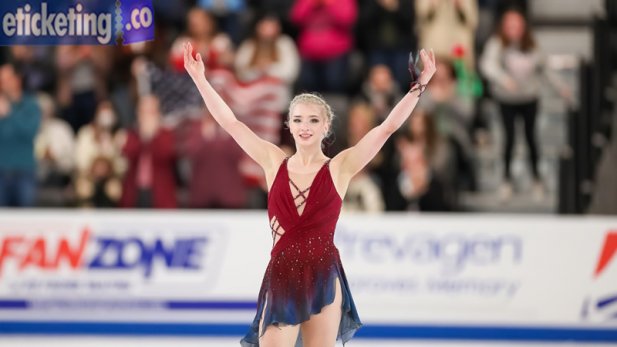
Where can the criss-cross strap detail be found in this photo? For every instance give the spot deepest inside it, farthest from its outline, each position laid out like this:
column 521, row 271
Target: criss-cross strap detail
column 300, row 193
column 274, row 227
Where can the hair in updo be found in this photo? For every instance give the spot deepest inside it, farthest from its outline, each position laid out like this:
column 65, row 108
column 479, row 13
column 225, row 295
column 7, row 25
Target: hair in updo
column 315, row 99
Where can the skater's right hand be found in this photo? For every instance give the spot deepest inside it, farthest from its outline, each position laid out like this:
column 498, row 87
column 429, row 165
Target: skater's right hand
column 194, row 66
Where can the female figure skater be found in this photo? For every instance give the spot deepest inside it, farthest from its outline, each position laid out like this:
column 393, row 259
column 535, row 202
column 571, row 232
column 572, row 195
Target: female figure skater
column 304, row 287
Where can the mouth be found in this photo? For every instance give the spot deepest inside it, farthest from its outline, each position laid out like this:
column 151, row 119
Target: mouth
column 304, row 136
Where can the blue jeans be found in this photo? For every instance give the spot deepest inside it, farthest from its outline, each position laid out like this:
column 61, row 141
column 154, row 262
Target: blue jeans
column 17, row 188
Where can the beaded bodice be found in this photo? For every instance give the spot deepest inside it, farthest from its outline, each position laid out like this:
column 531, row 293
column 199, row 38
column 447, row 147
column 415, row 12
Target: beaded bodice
column 293, row 211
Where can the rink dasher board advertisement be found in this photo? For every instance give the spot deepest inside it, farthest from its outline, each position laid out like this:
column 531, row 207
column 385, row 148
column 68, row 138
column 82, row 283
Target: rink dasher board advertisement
column 198, row 273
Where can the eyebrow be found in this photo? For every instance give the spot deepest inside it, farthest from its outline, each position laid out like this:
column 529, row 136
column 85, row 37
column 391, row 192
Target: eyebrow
column 311, row 115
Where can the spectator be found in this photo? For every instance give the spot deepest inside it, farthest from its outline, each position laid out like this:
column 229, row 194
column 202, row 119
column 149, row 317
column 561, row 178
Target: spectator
column 280, row 8
column 228, row 14
column 82, row 71
column 268, row 53
column 20, row 117
column 216, row 180
column 171, row 15
column 446, row 24
column 380, row 91
column 170, row 84
column 428, row 168
column 97, row 140
column 515, row 67
column 150, row 150
column 54, row 146
column 214, row 46
column 453, row 114
column 100, row 186
column 386, row 34
column 37, row 68
column 173, row 87
column 325, row 41
column 363, row 193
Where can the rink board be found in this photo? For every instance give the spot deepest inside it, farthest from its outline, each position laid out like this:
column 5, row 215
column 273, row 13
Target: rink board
column 436, row 277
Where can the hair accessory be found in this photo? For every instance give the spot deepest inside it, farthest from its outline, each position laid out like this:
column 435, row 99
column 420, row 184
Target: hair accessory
column 414, row 71
column 412, row 66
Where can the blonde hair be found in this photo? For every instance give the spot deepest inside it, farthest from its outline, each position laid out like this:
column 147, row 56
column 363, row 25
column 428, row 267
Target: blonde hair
column 315, row 99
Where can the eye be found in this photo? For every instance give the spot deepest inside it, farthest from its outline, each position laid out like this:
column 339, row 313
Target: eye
column 296, row 120
column 314, row 120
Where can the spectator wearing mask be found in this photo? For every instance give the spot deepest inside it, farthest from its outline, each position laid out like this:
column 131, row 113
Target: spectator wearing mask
column 20, row 118
column 97, row 140
column 150, row 181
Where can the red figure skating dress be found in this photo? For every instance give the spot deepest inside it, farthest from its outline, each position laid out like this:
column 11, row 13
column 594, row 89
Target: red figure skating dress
column 304, row 264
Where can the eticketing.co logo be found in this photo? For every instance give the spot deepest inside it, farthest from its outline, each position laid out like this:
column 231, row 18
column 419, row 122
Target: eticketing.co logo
column 76, row 22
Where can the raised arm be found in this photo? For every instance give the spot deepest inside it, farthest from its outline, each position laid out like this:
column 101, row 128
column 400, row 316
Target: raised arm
column 353, row 159
column 265, row 153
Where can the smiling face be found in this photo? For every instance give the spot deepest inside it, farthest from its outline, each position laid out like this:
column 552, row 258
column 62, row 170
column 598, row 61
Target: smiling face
column 308, row 124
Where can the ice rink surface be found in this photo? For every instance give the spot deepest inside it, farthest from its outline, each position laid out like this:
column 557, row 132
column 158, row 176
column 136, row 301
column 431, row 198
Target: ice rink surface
column 56, row 341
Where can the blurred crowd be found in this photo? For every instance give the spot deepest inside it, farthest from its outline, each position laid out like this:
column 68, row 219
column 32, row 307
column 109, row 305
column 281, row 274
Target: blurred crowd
column 124, row 126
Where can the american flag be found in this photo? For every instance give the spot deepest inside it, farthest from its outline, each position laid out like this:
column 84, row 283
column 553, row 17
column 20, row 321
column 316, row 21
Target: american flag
column 259, row 104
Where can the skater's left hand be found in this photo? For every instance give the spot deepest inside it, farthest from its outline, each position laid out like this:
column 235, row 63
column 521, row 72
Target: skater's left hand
column 428, row 63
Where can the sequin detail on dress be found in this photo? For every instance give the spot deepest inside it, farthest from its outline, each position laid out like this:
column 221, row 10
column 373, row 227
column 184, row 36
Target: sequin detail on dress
column 301, row 276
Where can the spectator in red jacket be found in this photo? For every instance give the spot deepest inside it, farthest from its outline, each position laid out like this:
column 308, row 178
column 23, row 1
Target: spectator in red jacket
column 150, row 150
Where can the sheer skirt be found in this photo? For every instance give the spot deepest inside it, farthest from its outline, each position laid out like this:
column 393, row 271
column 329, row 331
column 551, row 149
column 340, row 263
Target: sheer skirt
column 292, row 290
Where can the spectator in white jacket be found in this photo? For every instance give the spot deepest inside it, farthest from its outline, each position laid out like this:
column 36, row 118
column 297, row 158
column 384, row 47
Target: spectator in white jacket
column 54, row 146
column 515, row 68
column 268, row 53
